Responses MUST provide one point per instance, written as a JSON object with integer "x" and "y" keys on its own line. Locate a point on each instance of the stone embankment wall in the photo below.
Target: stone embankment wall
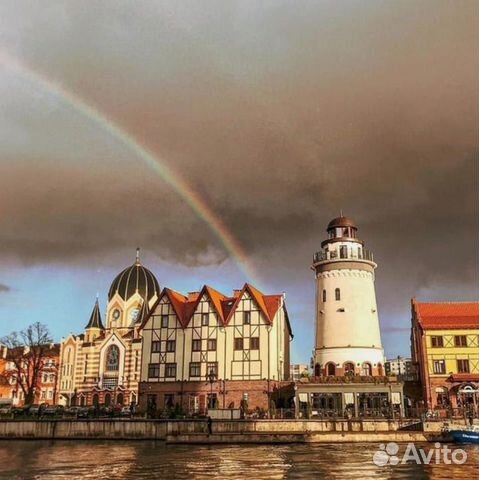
{"x": 166, "y": 429}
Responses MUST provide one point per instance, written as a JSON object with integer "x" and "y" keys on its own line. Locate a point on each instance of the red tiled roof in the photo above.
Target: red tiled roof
{"x": 185, "y": 306}
{"x": 272, "y": 302}
{"x": 454, "y": 315}
{"x": 178, "y": 302}
{"x": 464, "y": 377}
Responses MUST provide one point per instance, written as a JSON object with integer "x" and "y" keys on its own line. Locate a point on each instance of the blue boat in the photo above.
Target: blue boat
{"x": 464, "y": 436}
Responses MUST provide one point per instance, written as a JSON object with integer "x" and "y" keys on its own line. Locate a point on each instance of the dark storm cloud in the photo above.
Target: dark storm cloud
{"x": 278, "y": 115}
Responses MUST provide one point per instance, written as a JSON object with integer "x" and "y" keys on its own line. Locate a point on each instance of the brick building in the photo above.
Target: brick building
{"x": 45, "y": 385}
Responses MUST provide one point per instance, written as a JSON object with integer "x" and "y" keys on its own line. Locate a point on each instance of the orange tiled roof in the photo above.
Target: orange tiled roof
{"x": 454, "y": 315}
{"x": 185, "y": 306}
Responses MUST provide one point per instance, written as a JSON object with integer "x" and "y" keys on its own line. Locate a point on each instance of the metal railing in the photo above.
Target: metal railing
{"x": 343, "y": 254}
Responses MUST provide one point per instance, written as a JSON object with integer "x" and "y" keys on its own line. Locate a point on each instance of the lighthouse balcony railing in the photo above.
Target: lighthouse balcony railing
{"x": 341, "y": 254}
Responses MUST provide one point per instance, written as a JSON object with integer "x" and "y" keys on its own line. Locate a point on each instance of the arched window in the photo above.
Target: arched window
{"x": 366, "y": 370}
{"x": 349, "y": 368}
{"x": 317, "y": 370}
{"x": 337, "y": 294}
{"x": 380, "y": 370}
{"x": 324, "y": 295}
{"x": 331, "y": 369}
{"x": 96, "y": 401}
{"x": 107, "y": 400}
{"x": 112, "y": 359}
{"x": 119, "y": 399}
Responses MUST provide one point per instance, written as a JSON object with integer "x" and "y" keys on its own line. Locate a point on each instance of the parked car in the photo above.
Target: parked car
{"x": 105, "y": 412}
{"x": 125, "y": 412}
{"x": 5, "y": 410}
{"x": 82, "y": 412}
{"x": 20, "y": 411}
{"x": 34, "y": 409}
{"x": 53, "y": 410}
{"x": 71, "y": 411}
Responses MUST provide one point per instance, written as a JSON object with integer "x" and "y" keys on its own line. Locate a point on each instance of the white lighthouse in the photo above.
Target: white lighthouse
{"x": 348, "y": 340}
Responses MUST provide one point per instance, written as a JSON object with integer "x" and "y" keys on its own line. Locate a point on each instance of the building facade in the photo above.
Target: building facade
{"x": 445, "y": 346}
{"x": 6, "y": 383}
{"x": 45, "y": 385}
{"x": 348, "y": 358}
{"x": 298, "y": 370}
{"x": 101, "y": 366}
{"x": 402, "y": 367}
{"x": 208, "y": 350}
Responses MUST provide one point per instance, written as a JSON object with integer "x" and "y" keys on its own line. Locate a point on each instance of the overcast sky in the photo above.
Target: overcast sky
{"x": 278, "y": 114}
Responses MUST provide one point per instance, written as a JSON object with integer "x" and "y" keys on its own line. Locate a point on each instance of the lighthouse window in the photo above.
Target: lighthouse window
{"x": 337, "y": 294}
{"x": 324, "y": 295}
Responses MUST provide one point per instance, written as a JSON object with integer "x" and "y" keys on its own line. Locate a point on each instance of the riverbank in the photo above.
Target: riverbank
{"x": 223, "y": 431}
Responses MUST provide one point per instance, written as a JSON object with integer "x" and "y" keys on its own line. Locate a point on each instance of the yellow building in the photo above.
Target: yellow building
{"x": 102, "y": 365}
{"x": 445, "y": 345}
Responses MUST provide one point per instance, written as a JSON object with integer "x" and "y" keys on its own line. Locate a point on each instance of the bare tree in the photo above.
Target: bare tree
{"x": 27, "y": 351}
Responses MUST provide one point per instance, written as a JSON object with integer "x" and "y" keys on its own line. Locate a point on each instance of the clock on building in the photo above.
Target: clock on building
{"x": 116, "y": 314}
{"x": 134, "y": 314}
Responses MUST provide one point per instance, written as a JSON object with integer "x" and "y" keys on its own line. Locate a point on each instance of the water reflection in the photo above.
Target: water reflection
{"x": 144, "y": 460}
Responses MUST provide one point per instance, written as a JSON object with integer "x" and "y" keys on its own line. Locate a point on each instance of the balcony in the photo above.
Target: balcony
{"x": 343, "y": 254}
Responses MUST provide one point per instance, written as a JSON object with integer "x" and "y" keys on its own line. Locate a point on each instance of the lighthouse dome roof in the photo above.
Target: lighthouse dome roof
{"x": 341, "y": 222}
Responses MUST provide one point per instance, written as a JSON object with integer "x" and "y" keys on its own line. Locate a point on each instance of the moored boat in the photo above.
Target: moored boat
{"x": 465, "y": 436}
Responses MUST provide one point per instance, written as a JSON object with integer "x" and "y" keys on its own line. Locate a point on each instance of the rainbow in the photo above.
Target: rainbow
{"x": 179, "y": 185}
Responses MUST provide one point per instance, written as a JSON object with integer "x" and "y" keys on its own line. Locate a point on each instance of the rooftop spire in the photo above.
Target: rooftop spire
{"x": 138, "y": 256}
{"x": 95, "y": 318}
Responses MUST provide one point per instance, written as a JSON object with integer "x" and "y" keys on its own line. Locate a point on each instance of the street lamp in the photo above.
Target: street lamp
{"x": 211, "y": 377}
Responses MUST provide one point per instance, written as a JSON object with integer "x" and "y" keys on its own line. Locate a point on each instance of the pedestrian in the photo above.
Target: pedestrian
{"x": 210, "y": 425}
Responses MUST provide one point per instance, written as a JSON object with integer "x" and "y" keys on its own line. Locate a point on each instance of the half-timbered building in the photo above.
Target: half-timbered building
{"x": 207, "y": 349}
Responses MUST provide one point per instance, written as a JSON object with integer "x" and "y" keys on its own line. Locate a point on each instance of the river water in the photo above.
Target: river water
{"x": 132, "y": 460}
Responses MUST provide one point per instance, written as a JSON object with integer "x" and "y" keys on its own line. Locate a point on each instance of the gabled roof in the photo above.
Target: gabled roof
{"x": 217, "y": 300}
{"x": 178, "y": 302}
{"x": 259, "y": 298}
{"x": 442, "y": 316}
{"x": 225, "y": 306}
{"x": 95, "y": 318}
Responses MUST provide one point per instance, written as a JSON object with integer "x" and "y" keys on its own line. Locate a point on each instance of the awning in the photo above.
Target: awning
{"x": 349, "y": 398}
{"x": 396, "y": 398}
